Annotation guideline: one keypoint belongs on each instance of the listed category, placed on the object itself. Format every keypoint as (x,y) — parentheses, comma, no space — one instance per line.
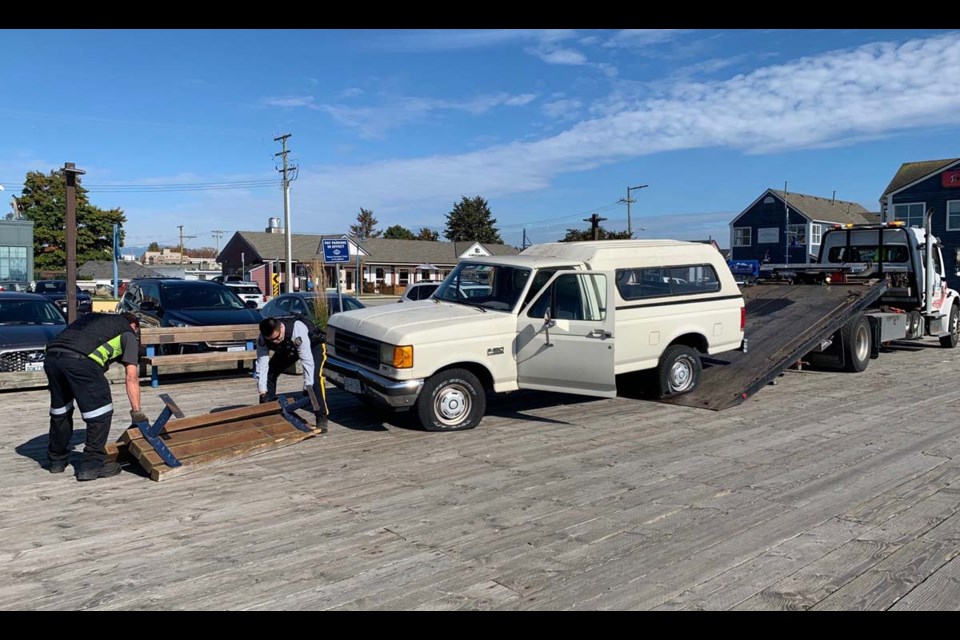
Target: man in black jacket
(291,338)
(75,364)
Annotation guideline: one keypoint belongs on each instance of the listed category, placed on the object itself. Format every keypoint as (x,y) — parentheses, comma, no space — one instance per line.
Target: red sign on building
(950,179)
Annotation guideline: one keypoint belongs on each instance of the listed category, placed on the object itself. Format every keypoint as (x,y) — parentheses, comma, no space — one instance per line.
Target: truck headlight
(397,357)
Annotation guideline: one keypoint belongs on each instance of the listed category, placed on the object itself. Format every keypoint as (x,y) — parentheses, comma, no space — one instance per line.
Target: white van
(565,317)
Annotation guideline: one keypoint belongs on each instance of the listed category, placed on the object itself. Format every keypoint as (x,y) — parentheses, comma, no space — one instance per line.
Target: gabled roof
(817,208)
(269,246)
(911,172)
(426,251)
(103,270)
(825,209)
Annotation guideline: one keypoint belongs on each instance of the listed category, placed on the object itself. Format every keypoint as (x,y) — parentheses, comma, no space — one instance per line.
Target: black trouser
(70,377)
(279,363)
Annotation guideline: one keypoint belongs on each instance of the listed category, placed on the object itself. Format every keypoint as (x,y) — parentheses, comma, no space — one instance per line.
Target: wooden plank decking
(826,491)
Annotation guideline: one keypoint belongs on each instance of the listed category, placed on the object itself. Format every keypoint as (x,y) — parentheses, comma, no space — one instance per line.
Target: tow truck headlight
(398,357)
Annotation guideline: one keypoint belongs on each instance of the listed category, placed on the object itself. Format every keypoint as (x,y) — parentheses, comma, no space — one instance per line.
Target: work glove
(137,416)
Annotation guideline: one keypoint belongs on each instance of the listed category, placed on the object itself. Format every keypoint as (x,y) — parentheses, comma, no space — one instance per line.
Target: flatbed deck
(784,322)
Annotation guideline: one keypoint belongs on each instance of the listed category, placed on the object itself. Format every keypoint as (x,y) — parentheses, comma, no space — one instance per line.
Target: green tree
(366,226)
(398,232)
(154,246)
(577,235)
(44,201)
(471,221)
(428,234)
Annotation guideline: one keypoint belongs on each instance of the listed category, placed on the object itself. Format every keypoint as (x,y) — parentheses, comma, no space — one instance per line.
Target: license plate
(33,366)
(351,385)
(236,348)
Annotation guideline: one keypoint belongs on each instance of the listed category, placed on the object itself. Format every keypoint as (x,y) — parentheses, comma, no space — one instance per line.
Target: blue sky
(178,127)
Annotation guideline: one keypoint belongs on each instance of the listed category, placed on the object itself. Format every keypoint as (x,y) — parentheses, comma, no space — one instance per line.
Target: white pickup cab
(563,317)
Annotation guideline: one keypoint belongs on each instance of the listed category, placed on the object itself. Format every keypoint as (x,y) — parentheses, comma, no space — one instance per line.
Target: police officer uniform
(75,363)
(301,341)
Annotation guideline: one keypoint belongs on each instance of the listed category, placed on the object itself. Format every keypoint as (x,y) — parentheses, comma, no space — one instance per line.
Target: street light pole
(628,201)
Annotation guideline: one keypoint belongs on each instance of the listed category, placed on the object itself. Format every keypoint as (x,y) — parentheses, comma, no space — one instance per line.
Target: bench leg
(154,377)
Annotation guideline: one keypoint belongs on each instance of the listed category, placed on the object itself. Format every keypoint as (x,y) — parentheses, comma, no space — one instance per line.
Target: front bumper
(396,394)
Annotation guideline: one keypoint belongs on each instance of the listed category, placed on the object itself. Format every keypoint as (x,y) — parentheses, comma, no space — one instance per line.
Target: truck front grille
(356,348)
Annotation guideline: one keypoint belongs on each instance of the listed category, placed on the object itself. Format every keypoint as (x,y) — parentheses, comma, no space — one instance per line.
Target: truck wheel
(452,400)
(953,339)
(855,342)
(679,371)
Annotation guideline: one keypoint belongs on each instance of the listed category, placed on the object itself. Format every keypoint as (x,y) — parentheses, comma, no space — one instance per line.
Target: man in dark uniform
(75,364)
(291,338)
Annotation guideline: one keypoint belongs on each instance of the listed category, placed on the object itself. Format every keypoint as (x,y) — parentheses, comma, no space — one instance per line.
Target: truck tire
(855,342)
(679,371)
(451,400)
(951,341)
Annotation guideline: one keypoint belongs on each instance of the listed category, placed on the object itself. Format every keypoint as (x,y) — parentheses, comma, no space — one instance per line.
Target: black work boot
(57,466)
(103,471)
(321,420)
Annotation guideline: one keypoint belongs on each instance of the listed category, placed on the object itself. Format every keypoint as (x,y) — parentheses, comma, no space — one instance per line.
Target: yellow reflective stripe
(107,352)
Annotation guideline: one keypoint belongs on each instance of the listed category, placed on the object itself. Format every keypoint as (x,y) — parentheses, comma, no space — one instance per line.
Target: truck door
(565,338)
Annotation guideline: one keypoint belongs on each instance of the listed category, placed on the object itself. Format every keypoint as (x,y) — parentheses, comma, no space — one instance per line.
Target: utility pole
(71,172)
(595,221)
(628,200)
(526,242)
(786,226)
(217,233)
(286,207)
(181,241)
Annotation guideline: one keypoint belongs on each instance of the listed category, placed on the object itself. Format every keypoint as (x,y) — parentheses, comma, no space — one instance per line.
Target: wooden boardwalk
(825,491)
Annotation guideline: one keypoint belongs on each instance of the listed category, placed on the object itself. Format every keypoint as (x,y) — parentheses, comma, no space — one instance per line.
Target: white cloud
(564,109)
(375,121)
(455,40)
(289,102)
(874,90)
(643,37)
(560,56)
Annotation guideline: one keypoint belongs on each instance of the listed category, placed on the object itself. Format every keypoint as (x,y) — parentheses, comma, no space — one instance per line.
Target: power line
(181,241)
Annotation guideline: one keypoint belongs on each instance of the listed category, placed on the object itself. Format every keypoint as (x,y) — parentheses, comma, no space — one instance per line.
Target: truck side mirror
(547,322)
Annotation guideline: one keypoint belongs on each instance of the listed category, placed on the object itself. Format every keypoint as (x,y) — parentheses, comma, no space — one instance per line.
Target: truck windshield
(488,286)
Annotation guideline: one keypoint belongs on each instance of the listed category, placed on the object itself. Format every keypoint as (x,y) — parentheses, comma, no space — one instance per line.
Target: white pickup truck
(565,317)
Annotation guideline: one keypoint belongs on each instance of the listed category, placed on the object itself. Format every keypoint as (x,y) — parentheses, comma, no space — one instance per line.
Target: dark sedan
(56,292)
(28,321)
(303,302)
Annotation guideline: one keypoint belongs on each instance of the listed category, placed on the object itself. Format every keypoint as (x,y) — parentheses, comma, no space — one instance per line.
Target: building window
(953,215)
(741,236)
(816,231)
(797,234)
(911,213)
(404,277)
(13,264)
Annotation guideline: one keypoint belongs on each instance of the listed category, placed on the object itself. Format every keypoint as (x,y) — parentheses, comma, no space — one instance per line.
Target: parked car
(225,279)
(303,302)
(12,285)
(418,291)
(249,291)
(173,302)
(28,321)
(56,292)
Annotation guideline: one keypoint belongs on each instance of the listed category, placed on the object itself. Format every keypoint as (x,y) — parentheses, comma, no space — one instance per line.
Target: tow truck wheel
(953,339)
(855,342)
(679,371)
(452,400)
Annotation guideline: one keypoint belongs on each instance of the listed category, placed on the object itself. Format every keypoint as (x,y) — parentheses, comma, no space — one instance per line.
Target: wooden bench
(153,338)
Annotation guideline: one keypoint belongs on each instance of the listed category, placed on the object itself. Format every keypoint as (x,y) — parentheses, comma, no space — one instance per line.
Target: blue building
(783,227)
(920,186)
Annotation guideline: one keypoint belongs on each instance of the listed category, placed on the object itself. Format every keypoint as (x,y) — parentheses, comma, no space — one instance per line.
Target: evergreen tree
(366,226)
(154,246)
(470,220)
(398,232)
(44,201)
(428,234)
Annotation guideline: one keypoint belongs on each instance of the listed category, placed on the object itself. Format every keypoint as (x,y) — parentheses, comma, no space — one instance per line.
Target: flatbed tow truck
(872,284)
